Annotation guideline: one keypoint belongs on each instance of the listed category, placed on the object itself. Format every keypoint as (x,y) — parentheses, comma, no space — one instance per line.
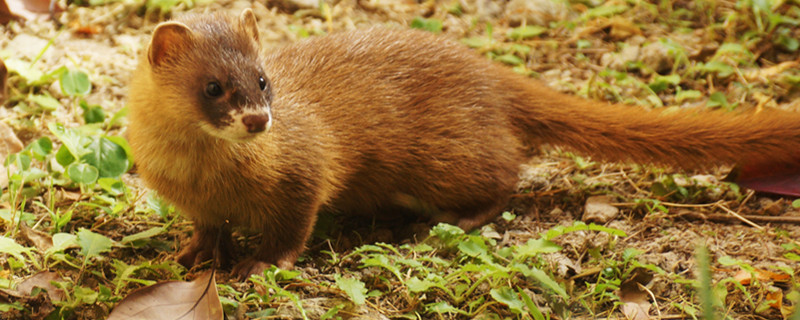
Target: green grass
(73,208)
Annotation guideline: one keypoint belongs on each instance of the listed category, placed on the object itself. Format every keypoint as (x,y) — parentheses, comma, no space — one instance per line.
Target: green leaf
(93,244)
(449,234)
(383,262)
(21,160)
(718,99)
(46,102)
(75,83)
(158,205)
(474,246)
(298,30)
(441,307)
(63,241)
(432,25)
(721,69)
(532,307)
(63,156)
(509,59)
(147,234)
(40,148)
(508,296)
(354,288)
(28,72)
(109,158)
(113,186)
(583,44)
(82,173)
(72,140)
(11,247)
(86,295)
(116,119)
(477,42)
(120,141)
(525,32)
(416,285)
(540,276)
(661,83)
(332,312)
(727,261)
(581,226)
(536,246)
(508,216)
(92,113)
(604,11)
(684,95)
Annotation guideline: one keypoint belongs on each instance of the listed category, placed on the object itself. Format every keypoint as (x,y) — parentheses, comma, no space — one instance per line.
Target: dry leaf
(5,13)
(86,30)
(41,304)
(9,143)
(44,281)
(745,277)
(172,300)
(28,9)
(622,28)
(764,74)
(619,28)
(776,296)
(635,300)
(599,210)
(41,240)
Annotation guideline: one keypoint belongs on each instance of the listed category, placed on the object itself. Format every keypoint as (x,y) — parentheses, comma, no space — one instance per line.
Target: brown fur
(362,119)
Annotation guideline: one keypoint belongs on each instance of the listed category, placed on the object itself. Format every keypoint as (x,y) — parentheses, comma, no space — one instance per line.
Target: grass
(72,207)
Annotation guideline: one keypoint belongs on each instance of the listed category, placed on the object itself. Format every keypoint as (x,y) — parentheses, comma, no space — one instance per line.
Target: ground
(546,256)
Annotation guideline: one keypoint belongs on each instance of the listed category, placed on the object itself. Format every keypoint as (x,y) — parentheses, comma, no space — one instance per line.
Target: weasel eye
(262,83)
(213,89)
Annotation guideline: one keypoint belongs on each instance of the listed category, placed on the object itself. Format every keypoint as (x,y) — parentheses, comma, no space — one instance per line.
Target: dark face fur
(222,72)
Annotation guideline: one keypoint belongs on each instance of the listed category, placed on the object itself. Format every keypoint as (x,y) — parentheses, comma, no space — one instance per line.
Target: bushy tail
(683,138)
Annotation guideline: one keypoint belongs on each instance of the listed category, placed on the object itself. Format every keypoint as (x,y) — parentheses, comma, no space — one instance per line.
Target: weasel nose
(255,123)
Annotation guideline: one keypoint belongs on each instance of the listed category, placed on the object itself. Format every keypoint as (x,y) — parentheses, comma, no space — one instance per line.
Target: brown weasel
(353,121)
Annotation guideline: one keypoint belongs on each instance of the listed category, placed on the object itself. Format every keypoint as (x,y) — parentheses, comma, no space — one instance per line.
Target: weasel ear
(169,39)
(247,20)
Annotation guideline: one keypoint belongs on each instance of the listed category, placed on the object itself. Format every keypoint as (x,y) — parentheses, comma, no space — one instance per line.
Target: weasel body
(360,121)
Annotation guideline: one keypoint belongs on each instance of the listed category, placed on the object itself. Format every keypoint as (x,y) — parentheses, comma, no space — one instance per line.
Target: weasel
(359,121)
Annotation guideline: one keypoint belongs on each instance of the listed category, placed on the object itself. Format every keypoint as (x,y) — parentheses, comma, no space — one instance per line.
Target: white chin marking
(236,131)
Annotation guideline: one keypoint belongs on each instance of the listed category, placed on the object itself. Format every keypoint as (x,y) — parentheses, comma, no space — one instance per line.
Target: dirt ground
(664,225)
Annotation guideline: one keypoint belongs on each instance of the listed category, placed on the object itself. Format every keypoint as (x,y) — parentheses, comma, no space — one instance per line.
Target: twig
(743,219)
(728,218)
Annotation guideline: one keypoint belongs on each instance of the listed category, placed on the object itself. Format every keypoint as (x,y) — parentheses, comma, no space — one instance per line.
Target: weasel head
(212,74)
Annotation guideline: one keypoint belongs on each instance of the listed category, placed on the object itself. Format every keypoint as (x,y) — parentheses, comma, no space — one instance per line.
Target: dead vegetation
(100,239)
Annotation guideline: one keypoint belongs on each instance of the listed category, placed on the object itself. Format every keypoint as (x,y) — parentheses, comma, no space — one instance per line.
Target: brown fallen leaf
(43,280)
(41,240)
(29,9)
(5,13)
(172,300)
(745,277)
(635,300)
(9,143)
(775,298)
(40,305)
(619,28)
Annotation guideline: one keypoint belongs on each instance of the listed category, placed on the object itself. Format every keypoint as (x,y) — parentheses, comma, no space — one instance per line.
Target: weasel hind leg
(472,218)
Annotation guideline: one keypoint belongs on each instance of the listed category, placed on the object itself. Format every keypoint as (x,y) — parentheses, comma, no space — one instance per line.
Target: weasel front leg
(281,244)
(201,246)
